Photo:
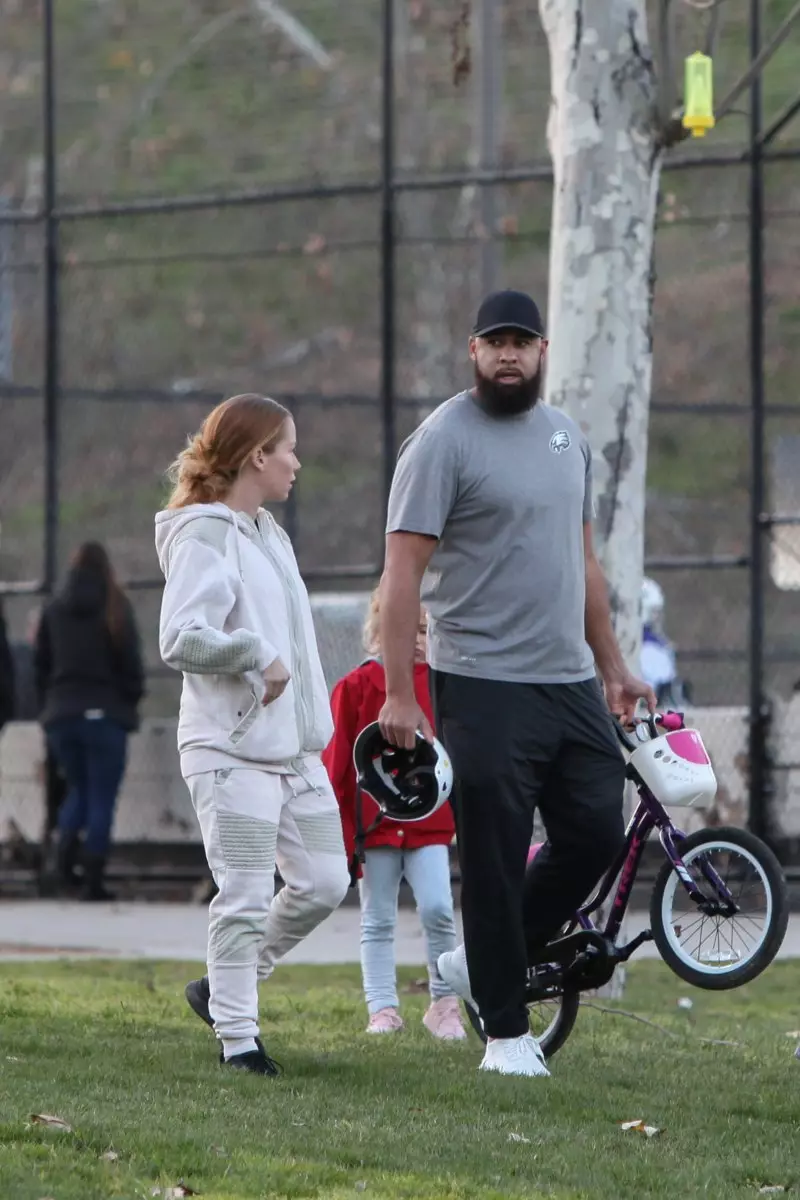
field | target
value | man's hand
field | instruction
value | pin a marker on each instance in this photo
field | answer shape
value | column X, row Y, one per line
column 275, row 678
column 624, row 692
column 400, row 719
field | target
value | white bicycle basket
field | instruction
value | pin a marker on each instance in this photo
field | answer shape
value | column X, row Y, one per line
column 677, row 770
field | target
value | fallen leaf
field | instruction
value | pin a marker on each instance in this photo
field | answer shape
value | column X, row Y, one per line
column 793, row 1033
column 174, row 1193
column 639, row 1126
column 120, row 59
column 50, row 1122
column 772, row 1189
column 11, row 1058
column 685, row 1002
column 518, row 1137
column 110, row 1156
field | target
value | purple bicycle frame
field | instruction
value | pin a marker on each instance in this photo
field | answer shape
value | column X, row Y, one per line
column 650, row 814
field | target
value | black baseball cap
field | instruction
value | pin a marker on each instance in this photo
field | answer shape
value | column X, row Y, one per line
column 508, row 310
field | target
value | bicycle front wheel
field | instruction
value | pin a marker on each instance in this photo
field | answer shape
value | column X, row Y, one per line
column 716, row 951
column 551, row 1021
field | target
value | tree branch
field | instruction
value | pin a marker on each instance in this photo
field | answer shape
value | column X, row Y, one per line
column 673, row 131
column 298, row 34
column 204, row 35
column 712, row 33
column 756, row 67
column 667, row 81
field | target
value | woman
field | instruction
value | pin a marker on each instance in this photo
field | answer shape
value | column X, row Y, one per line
column 255, row 715
column 90, row 680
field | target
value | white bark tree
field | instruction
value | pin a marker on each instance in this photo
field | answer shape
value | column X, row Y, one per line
column 603, row 134
column 612, row 116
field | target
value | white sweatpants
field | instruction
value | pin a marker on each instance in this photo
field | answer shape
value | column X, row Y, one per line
column 250, row 820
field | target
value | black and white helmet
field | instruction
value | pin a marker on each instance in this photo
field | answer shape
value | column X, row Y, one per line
column 407, row 785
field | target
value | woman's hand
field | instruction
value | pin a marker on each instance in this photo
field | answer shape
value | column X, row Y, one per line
column 275, row 678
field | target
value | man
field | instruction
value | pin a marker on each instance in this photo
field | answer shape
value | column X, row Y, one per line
column 490, row 513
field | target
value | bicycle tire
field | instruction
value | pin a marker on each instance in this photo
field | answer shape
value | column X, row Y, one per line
column 775, row 930
column 556, row 1033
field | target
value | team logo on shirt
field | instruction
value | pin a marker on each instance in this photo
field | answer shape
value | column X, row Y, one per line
column 560, row 441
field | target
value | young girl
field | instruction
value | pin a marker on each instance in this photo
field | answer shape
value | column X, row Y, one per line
column 255, row 715
column 417, row 850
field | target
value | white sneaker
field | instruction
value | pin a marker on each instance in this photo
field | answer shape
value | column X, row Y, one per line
column 514, row 1056
column 452, row 966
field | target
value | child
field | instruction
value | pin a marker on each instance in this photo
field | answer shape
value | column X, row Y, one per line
column 417, row 850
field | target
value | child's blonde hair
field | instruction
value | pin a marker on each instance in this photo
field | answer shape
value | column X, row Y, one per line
column 372, row 625
column 372, row 635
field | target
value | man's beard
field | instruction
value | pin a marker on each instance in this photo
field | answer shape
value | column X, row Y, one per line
column 507, row 399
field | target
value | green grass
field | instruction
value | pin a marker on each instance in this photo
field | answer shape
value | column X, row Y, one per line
column 113, row 1050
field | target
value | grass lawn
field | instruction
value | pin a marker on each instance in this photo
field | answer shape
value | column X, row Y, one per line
column 112, row 1049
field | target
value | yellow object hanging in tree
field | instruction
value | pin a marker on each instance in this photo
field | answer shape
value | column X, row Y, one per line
column 698, row 100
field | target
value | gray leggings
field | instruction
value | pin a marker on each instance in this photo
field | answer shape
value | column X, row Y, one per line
column 427, row 871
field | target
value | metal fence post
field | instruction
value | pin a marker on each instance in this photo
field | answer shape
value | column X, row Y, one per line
column 758, row 750
column 51, row 308
column 388, row 249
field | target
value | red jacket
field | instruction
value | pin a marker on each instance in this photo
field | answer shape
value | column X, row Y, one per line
column 356, row 701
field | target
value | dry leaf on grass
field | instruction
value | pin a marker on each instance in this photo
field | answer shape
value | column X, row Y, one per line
column 772, row 1189
column 685, row 1002
column 639, row 1126
column 793, row 1033
column 51, row 1122
column 110, row 1156
column 518, row 1137
column 174, row 1193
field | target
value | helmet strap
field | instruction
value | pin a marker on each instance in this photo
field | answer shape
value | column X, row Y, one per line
column 361, row 833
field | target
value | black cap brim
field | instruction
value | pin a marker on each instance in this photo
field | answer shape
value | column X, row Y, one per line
column 507, row 325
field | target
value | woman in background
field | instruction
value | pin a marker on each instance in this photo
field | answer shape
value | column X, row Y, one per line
column 90, row 680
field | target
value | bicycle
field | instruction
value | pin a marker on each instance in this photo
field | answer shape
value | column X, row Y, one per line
column 675, row 764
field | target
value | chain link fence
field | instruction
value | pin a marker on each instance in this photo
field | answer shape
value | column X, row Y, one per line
column 235, row 200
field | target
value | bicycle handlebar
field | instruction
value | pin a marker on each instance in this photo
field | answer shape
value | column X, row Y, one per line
column 669, row 722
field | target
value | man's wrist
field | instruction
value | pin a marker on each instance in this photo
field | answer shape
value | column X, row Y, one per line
column 614, row 672
column 401, row 695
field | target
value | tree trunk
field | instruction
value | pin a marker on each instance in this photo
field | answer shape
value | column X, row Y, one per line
column 603, row 136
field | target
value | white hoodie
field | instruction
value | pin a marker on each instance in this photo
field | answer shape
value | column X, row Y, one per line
column 233, row 602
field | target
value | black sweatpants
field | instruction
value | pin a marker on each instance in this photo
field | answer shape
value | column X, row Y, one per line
column 516, row 747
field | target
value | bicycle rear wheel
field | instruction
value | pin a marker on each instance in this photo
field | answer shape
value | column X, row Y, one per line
column 551, row 1021
column 718, row 952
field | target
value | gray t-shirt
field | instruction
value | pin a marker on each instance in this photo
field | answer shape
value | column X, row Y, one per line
column 507, row 498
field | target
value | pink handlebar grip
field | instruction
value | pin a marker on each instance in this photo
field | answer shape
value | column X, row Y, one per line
column 671, row 721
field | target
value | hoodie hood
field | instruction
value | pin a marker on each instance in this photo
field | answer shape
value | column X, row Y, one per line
column 83, row 593
column 170, row 521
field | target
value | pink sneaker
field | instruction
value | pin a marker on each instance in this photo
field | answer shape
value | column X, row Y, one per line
column 443, row 1020
column 386, row 1020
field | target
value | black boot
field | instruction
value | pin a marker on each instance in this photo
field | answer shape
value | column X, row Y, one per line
column 198, row 994
column 257, row 1062
column 94, row 867
column 67, row 853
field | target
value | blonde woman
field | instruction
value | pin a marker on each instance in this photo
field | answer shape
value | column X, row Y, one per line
column 236, row 620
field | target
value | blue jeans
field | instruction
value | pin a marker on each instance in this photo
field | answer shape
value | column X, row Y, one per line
column 91, row 754
column 427, row 871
